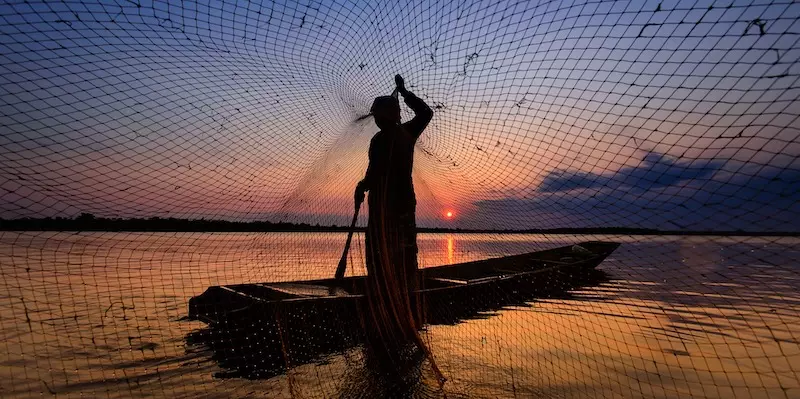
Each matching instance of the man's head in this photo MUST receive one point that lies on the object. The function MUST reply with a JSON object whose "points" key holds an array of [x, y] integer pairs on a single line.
{"points": [[386, 110]]}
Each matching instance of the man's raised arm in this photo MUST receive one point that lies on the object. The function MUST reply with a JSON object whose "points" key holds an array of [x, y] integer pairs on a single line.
{"points": [[422, 112]]}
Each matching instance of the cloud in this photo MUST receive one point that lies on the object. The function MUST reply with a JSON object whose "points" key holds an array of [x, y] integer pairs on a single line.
{"points": [[655, 170], [660, 194]]}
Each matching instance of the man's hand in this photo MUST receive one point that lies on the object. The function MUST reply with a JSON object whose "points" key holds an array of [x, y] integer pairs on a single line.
{"points": [[401, 84], [358, 196]]}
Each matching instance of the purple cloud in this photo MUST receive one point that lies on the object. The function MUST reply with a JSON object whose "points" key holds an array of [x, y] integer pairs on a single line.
{"points": [[655, 171], [659, 194]]}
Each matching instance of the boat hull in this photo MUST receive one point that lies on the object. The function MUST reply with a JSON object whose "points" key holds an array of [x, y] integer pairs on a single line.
{"points": [[532, 270], [260, 330]]}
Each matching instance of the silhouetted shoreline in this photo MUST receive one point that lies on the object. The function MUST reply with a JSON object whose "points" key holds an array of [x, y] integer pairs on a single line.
{"points": [[88, 222]]}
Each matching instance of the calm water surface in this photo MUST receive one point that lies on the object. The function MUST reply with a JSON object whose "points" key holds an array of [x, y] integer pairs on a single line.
{"points": [[103, 315]]}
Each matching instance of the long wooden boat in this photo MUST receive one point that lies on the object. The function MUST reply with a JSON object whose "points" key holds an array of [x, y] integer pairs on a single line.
{"points": [[259, 330], [231, 302]]}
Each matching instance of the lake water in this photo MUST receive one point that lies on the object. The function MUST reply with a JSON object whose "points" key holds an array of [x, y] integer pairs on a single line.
{"points": [[103, 315]]}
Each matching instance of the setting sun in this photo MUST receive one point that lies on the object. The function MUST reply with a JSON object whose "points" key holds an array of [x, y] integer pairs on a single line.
{"points": [[449, 214]]}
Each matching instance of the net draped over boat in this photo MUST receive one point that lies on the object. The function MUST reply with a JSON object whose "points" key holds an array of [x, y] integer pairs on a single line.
{"points": [[152, 149]]}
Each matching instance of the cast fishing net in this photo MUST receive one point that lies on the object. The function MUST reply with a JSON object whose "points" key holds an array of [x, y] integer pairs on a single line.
{"points": [[150, 150]]}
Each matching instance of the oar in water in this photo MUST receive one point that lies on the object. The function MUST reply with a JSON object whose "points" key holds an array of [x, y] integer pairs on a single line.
{"points": [[343, 262]]}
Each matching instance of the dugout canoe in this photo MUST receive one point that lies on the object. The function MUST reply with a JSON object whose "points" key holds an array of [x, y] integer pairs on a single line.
{"points": [[261, 330], [241, 302]]}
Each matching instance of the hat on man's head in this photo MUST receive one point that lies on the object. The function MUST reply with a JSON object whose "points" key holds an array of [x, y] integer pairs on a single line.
{"points": [[387, 106]]}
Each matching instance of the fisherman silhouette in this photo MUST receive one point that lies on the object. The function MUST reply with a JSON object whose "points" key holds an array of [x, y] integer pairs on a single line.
{"points": [[391, 238]]}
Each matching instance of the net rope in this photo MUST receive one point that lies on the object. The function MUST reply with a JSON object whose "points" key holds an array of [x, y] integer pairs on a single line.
{"points": [[153, 149]]}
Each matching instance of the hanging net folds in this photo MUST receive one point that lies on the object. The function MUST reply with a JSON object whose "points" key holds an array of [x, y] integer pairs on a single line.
{"points": [[607, 199]]}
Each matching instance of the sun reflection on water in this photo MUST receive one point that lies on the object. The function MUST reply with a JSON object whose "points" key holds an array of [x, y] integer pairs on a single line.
{"points": [[451, 245]]}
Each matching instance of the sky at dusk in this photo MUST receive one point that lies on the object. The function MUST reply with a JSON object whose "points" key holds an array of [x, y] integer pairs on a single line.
{"points": [[656, 114]]}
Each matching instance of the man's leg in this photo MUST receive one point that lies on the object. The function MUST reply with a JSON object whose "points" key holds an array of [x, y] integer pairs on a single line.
{"points": [[410, 265]]}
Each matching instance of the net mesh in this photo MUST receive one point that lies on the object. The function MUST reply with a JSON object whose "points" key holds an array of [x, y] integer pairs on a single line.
{"points": [[151, 150]]}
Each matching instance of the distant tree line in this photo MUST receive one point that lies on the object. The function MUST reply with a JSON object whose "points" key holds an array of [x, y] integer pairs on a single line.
{"points": [[88, 222]]}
